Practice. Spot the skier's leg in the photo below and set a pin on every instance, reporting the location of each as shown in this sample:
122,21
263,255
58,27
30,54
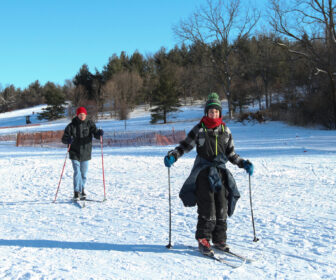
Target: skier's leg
84,165
206,207
77,178
221,204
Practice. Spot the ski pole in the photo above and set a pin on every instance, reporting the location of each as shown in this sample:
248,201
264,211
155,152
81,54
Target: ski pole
255,239
169,244
59,183
101,144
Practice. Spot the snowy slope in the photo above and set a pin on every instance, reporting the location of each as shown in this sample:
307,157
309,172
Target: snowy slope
139,120
18,117
294,192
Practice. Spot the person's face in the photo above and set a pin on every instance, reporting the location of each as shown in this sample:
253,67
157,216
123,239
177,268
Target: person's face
82,116
213,113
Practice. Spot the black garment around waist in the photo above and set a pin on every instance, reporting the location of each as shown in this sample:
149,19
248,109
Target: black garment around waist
188,190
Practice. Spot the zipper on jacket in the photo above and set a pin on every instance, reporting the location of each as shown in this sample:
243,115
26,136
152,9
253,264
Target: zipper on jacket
216,144
217,140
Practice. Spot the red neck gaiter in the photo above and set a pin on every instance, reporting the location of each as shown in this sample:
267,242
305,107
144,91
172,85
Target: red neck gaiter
211,123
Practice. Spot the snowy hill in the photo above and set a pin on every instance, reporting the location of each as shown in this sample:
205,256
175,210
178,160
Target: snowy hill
294,193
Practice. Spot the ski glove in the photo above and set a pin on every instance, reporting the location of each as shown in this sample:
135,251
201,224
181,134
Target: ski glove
169,160
248,166
100,132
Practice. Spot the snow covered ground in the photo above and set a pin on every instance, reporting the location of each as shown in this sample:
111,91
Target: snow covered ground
294,194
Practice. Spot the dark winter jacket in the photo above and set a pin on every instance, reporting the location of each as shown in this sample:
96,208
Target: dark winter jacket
214,148
187,193
209,143
81,133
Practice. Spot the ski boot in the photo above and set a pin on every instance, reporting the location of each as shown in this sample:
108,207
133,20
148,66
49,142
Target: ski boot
76,196
205,247
83,195
222,246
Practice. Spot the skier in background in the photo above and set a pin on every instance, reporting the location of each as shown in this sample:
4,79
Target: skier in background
79,134
210,184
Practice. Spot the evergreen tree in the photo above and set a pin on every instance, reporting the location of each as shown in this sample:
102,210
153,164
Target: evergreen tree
84,79
33,95
116,65
138,64
165,94
55,100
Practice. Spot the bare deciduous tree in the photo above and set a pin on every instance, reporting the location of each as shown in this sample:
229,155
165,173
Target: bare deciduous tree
7,98
309,26
79,96
217,25
122,90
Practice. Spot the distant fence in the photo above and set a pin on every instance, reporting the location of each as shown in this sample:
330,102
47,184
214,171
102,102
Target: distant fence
44,138
142,138
8,137
111,139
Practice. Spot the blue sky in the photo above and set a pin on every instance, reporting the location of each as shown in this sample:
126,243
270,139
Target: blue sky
49,40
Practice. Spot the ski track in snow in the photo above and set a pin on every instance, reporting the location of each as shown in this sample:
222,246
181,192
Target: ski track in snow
294,207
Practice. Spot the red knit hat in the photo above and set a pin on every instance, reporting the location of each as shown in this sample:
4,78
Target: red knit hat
81,110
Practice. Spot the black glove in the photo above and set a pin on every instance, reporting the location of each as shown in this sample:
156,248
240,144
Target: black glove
100,132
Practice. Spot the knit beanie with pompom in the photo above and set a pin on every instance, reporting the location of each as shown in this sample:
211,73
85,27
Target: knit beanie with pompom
213,103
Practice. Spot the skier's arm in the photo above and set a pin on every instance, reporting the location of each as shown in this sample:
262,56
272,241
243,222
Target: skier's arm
235,158
66,138
94,130
187,144
230,151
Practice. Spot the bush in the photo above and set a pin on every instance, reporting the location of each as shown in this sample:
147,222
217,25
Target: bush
257,116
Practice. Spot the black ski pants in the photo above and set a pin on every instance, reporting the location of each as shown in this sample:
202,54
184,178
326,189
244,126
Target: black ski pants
212,210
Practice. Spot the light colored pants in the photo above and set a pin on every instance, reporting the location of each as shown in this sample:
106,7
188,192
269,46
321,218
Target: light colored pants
80,170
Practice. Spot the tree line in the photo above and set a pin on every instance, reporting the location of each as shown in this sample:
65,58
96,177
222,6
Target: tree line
288,72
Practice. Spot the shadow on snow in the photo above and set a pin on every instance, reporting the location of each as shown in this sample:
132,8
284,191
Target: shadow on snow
97,246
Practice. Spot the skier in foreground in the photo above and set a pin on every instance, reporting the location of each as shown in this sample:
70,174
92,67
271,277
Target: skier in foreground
79,134
210,184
